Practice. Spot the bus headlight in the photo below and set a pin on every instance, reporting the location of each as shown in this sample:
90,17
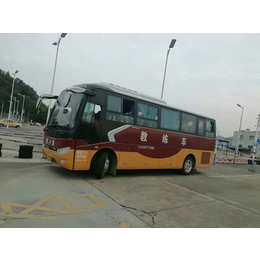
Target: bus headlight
63,151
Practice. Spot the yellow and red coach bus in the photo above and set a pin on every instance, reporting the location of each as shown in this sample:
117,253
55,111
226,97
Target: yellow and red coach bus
105,128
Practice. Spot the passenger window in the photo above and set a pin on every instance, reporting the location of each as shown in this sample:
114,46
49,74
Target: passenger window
96,119
147,111
201,127
142,110
123,106
153,113
120,105
114,104
88,113
188,123
119,118
148,123
170,119
91,123
210,128
128,107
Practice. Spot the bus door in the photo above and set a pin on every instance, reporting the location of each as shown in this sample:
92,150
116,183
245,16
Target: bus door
89,133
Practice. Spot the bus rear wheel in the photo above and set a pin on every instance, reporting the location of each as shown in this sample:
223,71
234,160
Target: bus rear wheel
103,165
188,165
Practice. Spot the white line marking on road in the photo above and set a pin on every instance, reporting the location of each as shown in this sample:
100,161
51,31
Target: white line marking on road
233,176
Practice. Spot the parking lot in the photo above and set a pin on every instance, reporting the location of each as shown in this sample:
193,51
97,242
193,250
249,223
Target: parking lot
36,193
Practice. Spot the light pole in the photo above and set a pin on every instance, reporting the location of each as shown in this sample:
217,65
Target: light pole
166,62
22,106
2,110
238,138
11,99
216,149
13,114
63,35
255,147
17,110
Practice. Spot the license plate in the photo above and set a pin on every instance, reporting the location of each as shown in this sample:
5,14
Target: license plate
48,158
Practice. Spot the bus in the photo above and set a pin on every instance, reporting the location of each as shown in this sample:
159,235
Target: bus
103,127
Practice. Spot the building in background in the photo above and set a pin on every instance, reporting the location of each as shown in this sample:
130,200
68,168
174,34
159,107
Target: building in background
222,144
246,139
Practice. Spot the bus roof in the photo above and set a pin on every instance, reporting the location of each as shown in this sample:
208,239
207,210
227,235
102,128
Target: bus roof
134,94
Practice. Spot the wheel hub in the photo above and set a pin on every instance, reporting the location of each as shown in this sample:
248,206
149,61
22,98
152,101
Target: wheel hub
106,165
188,166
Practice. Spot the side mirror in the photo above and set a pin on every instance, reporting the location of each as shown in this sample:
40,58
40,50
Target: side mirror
45,96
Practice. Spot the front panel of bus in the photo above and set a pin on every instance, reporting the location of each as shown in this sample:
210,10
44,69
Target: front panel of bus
60,134
75,123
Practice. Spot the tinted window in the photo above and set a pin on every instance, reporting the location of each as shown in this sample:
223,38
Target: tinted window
142,110
201,127
147,111
91,123
210,128
145,122
88,113
92,114
153,113
128,107
114,104
119,118
170,119
188,123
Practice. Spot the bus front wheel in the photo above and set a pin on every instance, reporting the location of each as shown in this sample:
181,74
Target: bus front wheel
103,165
188,165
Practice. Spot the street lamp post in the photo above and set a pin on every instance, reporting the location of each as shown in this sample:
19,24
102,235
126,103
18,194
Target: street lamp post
255,147
166,62
63,35
11,99
2,110
238,138
17,110
13,114
22,106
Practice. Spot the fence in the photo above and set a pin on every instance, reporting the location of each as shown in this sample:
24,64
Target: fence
234,161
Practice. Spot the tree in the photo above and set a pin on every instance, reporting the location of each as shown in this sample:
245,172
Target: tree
6,81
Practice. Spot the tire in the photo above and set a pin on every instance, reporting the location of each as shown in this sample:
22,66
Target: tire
2,125
103,165
17,126
188,165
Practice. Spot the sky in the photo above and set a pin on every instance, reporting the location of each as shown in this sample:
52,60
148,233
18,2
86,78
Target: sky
207,74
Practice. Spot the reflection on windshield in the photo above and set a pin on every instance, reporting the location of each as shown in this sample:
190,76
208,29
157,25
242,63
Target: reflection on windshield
65,109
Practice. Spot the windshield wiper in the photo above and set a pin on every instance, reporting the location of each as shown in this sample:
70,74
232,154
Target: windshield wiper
57,126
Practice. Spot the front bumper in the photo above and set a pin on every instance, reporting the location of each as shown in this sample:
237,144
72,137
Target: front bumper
65,161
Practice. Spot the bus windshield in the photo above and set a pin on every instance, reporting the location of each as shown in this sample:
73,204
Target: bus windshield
65,109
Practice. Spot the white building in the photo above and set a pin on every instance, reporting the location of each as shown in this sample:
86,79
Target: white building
247,138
